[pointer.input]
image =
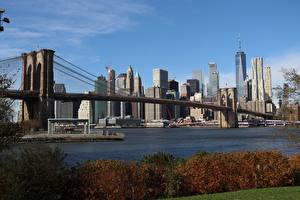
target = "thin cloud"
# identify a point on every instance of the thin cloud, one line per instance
(53, 23)
(277, 63)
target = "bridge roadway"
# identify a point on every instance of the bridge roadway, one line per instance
(18, 94)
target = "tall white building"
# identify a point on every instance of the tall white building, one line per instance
(62, 109)
(268, 83)
(258, 87)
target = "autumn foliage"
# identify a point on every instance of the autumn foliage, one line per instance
(156, 176)
(233, 171)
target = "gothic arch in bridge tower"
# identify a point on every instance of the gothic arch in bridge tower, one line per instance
(37, 77)
(227, 97)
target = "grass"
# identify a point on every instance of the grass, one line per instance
(280, 193)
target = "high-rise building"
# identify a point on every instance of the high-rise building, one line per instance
(100, 106)
(213, 82)
(130, 79)
(173, 111)
(268, 84)
(121, 90)
(130, 88)
(137, 108)
(173, 85)
(197, 113)
(197, 74)
(155, 111)
(62, 109)
(194, 85)
(185, 90)
(160, 78)
(110, 91)
(248, 89)
(258, 87)
(240, 72)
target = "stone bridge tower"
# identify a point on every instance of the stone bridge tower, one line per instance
(228, 97)
(37, 76)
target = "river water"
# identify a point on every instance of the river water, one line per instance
(181, 142)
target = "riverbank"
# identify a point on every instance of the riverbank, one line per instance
(66, 138)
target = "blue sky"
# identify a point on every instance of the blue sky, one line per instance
(179, 35)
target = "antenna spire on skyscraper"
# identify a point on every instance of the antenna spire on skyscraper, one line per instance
(239, 41)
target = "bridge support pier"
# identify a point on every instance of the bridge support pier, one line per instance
(228, 97)
(37, 75)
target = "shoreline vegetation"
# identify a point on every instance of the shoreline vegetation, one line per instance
(42, 173)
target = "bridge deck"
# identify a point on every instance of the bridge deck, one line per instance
(16, 94)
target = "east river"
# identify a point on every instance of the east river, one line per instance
(183, 142)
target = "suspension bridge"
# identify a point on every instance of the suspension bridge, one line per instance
(36, 94)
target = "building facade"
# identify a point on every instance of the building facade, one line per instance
(62, 109)
(240, 72)
(173, 85)
(194, 85)
(268, 83)
(155, 111)
(258, 87)
(137, 107)
(185, 90)
(160, 78)
(213, 82)
(111, 91)
(86, 110)
(100, 106)
(197, 74)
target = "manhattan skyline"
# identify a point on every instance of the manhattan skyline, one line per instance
(176, 36)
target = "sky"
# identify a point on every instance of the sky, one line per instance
(178, 36)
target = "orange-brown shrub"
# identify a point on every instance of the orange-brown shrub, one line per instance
(295, 164)
(232, 171)
(110, 179)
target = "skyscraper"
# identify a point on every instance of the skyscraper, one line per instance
(137, 111)
(258, 88)
(185, 91)
(268, 84)
(160, 78)
(155, 111)
(121, 90)
(100, 106)
(213, 82)
(130, 79)
(194, 86)
(197, 74)
(240, 71)
(173, 85)
(110, 91)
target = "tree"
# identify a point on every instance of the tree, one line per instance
(292, 81)
(6, 111)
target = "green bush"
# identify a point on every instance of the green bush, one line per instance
(164, 179)
(33, 173)
(160, 159)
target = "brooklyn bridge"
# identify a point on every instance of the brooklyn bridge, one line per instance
(37, 96)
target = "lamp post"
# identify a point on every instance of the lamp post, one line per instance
(5, 19)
